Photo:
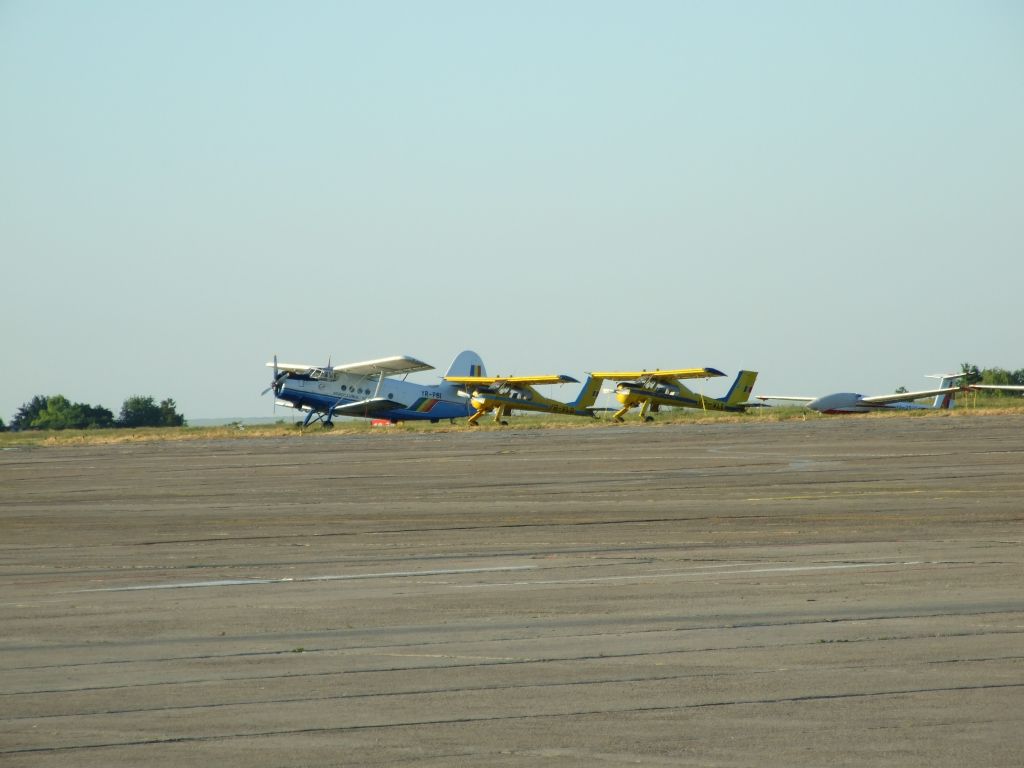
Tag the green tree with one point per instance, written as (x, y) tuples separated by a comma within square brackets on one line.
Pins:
[(61, 413), (139, 411), (28, 412), (998, 376), (3, 427), (58, 414), (971, 373), (94, 417), (169, 415), (1002, 377)]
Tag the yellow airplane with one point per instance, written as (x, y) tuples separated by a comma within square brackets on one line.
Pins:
[(503, 394), (653, 389)]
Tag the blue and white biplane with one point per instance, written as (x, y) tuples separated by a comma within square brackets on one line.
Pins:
[(372, 390)]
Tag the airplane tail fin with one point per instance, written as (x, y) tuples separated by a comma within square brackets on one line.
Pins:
[(738, 393), (588, 394), (467, 363), (740, 390), (948, 399)]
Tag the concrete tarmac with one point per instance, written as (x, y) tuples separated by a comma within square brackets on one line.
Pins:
[(842, 592)]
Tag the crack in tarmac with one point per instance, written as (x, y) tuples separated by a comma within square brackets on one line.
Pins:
[(499, 718)]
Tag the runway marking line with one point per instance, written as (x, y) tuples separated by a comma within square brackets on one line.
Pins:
[(287, 579), (685, 574)]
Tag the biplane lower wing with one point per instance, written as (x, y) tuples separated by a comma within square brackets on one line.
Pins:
[(370, 407)]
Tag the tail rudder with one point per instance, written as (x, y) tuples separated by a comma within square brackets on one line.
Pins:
[(946, 399), (741, 388), (467, 363), (588, 394)]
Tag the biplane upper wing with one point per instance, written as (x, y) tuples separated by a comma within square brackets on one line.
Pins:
[(293, 367), (678, 373), (513, 380), (389, 366)]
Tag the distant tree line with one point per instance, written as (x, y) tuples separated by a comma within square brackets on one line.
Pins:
[(57, 412), (1001, 376)]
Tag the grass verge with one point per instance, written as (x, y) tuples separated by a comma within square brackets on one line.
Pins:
[(982, 406)]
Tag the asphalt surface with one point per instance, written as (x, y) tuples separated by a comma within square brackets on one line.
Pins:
[(843, 592)]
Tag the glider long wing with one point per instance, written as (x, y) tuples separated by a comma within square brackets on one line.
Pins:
[(903, 397)]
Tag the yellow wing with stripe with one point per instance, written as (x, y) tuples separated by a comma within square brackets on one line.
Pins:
[(678, 373), (513, 380)]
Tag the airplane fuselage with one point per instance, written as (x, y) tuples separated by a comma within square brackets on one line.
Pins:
[(633, 396), (526, 399), (851, 402), (324, 391)]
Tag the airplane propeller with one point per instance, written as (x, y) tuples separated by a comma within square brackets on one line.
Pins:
[(278, 379)]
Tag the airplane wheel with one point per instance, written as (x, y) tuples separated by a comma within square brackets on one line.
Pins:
[(504, 423), (328, 425), (648, 419)]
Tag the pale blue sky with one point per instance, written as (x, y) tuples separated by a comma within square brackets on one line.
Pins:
[(827, 192)]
